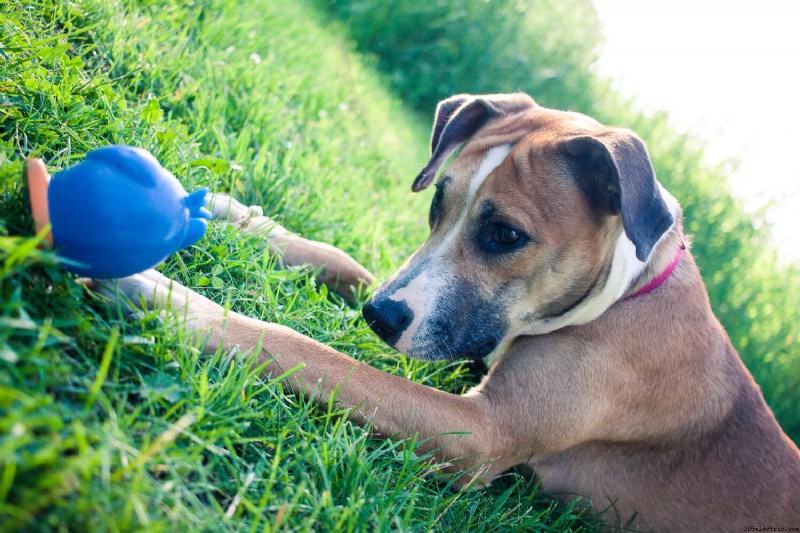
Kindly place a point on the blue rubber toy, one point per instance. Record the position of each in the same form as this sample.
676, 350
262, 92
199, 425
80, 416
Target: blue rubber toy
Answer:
117, 212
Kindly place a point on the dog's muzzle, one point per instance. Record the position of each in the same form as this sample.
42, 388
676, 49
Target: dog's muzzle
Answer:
452, 331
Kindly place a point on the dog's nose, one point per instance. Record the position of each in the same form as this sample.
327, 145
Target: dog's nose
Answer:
387, 318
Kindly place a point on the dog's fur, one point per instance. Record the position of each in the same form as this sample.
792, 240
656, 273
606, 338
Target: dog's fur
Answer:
545, 224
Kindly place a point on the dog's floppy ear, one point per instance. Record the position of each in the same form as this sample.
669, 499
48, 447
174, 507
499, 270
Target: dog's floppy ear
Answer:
457, 119
614, 170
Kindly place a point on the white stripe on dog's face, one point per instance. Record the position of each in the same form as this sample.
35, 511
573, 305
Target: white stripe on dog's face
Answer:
422, 292
490, 161
417, 296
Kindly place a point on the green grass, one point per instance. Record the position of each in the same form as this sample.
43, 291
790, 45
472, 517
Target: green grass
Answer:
432, 50
120, 425
113, 424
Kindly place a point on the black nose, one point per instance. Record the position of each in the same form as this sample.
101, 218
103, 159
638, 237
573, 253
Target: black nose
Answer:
387, 318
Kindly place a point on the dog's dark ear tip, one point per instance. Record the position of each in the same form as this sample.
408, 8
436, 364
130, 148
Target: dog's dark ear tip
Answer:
421, 182
645, 239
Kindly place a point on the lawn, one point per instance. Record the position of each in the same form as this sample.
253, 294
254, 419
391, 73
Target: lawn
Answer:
108, 423
112, 424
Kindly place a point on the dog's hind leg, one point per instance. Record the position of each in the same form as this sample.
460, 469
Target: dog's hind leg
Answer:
340, 272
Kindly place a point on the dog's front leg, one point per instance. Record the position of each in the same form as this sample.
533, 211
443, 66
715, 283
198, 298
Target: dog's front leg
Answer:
458, 430
343, 274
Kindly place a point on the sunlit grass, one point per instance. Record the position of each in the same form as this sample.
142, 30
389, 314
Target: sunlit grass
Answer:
109, 422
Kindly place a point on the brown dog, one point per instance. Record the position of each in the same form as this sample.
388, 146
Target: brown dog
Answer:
556, 253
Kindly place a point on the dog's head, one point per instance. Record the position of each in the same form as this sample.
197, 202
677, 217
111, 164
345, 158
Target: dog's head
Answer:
542, 220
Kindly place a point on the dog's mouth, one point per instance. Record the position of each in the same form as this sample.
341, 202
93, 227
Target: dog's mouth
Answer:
439, 349
446, 337
483, 349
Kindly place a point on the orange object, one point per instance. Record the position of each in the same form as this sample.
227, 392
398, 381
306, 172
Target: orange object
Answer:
38, 180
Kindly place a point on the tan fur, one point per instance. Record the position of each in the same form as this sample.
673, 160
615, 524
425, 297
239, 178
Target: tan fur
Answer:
647, 408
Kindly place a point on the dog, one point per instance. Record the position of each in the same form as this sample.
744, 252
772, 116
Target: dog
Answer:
556, 255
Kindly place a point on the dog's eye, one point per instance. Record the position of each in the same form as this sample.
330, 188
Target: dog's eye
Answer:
506, 235
499, 238
436, 206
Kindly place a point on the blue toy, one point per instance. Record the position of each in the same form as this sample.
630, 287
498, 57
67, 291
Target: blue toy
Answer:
116, 213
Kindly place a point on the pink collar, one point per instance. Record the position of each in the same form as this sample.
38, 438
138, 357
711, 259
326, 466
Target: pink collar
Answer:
661, 278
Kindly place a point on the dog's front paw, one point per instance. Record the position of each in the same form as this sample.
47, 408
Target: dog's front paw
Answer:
227, 208
150, 289
152, 295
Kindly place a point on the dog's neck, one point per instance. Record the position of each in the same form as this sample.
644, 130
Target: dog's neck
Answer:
665, 274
